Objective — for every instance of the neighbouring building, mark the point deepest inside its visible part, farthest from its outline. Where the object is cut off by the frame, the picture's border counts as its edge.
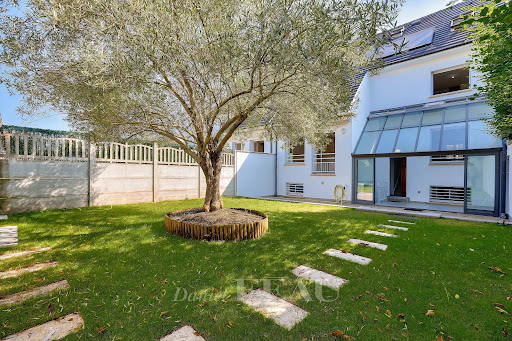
(417, 140)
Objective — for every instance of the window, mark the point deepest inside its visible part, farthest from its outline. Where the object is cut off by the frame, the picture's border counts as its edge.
(296, 154)
(418, 39)
(449, 81)
(295, 189)
(237, 146)
(447, 159)
(456, 23)
(397, 32)
(325, 161)
(258, 146)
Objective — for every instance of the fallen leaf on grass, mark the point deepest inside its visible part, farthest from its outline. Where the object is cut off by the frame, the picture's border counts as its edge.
(430, 313)
(502, 311)
(377, 307)
(495, 269)
(230, 324)
(202, 304)
(196, 334)
(388, 313)
(343, 336)
(504, 332)
(440, 338)
(381, 298)
(477, 292)
(163, 313)
(102, 329)
(499, 304)
(364, 317)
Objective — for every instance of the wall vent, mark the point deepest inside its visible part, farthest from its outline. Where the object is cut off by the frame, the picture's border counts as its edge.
(448, 194)
(294, 189)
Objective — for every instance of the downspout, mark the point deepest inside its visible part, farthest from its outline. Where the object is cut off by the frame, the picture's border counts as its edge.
(275, 172)
(503, 187)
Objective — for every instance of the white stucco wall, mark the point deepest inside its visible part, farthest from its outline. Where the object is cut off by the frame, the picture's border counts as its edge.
(255, 175)
(421, 175)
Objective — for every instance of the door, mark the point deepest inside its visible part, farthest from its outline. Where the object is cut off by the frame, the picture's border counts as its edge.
(398, 181)
(365, 175)
(481, 195)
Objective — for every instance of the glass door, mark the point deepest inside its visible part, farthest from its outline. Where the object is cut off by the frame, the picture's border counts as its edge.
(481, 184)
(365, 174)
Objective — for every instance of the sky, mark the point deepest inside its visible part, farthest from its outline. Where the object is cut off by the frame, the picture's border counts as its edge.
(412, 9)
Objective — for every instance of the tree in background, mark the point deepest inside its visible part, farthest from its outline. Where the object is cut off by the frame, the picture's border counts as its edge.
(192, 71)
(491, 30)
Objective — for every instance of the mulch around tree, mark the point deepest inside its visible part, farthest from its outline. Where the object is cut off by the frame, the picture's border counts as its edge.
(225, 216)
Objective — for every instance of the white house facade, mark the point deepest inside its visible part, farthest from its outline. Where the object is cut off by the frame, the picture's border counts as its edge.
(417, 140)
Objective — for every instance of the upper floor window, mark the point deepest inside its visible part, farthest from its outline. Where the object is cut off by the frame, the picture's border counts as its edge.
(237, 146)
(296, 154)
(452, 80)
(258, 146)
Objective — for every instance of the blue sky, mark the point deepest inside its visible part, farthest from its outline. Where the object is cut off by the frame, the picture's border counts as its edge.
(411, 10)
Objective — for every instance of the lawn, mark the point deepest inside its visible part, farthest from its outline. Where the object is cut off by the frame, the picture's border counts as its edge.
(125, 272)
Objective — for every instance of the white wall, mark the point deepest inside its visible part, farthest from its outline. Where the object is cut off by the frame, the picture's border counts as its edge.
(421, 175)
(255, 174)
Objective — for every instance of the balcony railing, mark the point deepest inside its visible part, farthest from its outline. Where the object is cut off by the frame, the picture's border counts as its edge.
(294, 158)
(324, 163)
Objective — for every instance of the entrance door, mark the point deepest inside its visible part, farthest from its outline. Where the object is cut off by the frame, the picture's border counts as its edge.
(481, 184)
(398, 181)
(365, 180)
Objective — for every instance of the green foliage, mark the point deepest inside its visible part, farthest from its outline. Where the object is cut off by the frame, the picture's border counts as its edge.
(491, 31)
(191, 71)
(124, 270)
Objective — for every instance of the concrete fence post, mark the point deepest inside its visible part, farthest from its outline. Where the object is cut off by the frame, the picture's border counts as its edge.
(155, 172)
(90, 176)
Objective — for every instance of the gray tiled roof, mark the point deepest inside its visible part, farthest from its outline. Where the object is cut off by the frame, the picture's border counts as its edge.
(444, 37)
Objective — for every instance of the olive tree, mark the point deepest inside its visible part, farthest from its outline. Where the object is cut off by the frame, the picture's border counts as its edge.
(192, 71)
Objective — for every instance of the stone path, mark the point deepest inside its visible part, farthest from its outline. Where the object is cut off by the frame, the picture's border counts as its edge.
(369, 244)
(8, 236)
(320, 277)
(3, 217)
(31, 268)
(394, 227)
(282, 312)
(348, 256)
(382, 234)
(186, 333)
(401, 222)
(34, 292)
(52, 330)
(24, 253)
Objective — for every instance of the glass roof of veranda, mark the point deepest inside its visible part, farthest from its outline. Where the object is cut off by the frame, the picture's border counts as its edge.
(422, 131)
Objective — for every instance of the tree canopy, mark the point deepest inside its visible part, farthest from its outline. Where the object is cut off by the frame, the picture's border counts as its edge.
(193, 71)
(491, 30)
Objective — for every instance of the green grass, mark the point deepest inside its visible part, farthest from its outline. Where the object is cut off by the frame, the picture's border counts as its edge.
(124, 270)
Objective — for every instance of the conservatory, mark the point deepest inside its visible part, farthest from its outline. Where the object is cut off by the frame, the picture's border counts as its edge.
(432, 156)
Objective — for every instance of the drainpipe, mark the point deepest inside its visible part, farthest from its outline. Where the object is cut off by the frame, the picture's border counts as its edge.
(275, 172)
(503, 187)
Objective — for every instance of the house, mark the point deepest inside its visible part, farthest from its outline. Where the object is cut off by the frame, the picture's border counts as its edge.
(417, 139)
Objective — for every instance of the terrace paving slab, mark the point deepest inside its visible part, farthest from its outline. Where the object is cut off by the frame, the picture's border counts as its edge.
(186, 333)
(282, 312)
(51, 330)
(369, 244)
(394, 227)
(320, 277)
(8, 236)
(24, 252)
(399, 212)
(31, 268)
(401, 222)
(382, 234)
(34, 292)
(348, 256)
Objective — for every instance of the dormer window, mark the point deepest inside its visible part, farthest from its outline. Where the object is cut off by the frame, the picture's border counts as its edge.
(458, 20)
(396, 33)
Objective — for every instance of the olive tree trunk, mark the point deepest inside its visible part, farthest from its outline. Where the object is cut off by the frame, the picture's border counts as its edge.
(211, 166)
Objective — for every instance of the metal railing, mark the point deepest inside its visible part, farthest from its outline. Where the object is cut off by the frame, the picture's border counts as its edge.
(324, 163)
(294, 158)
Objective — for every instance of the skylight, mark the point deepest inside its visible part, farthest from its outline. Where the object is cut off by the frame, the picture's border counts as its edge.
(455, 127)
(407, 42)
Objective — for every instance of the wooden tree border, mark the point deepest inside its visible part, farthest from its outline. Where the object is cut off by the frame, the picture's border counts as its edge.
(233, 232)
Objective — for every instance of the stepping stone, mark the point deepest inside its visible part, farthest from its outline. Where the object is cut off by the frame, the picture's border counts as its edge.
(186, 333)
(282, 312)
(25, 252)
(35, 292)
(52, 330)
(31, 268)
(348, 256)
(8, 236)
(394, 227)
(401, 222)
(369, 244)
(382, 234)
(3, 217)
(320, 277)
